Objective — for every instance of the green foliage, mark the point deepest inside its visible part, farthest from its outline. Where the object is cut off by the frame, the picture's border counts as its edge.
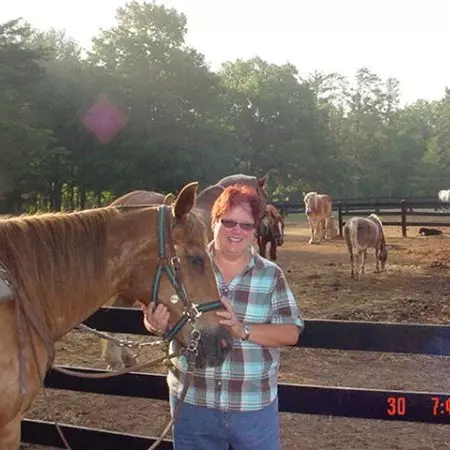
(184, 122)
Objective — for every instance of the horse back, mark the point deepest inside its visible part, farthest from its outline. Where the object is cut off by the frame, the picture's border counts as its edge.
(361, 233)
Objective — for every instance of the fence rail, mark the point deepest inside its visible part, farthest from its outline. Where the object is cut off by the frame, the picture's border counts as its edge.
(427, 407)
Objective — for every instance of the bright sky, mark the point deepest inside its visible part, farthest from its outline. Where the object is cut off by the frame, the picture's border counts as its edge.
(405, 39)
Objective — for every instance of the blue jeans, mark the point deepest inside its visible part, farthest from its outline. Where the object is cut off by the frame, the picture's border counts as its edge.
(199, 428)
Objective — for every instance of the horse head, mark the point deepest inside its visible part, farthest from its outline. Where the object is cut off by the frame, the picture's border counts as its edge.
(271, 227)
(309, 201)
(383, 254)
(183, 278)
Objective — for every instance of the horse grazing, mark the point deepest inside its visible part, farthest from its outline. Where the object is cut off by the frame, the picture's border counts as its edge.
(361, 233)
(57, 269)
(271, 229)
(318, 209)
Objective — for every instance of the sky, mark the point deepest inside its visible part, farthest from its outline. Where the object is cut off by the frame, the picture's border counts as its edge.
(405, 39)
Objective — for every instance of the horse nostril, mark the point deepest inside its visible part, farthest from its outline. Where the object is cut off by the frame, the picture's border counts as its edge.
(223, 343)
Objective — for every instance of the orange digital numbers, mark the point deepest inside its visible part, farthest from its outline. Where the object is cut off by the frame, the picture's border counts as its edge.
(436, 403)
(396, 406)
(441, 406)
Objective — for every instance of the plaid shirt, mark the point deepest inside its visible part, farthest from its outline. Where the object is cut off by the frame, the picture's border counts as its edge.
(247, 379)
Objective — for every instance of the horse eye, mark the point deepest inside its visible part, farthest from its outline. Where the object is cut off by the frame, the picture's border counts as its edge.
(196, 261)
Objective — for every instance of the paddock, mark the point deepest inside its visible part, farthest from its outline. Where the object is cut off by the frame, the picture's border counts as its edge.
(413, 289)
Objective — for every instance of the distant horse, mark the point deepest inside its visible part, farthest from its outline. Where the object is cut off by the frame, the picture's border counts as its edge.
(362, 233)
(271, 229)
(57, 269)
(318, 209)
(444, 198)
(114, 356)
(209, 195)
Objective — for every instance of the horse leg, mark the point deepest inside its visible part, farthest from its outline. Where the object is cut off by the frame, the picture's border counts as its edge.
(273, 251)
(311, 228)
(326, 231)
(363, 262)
(10, 435)
(377, 260)
(115, 357)
(323, 229)
(352, 262)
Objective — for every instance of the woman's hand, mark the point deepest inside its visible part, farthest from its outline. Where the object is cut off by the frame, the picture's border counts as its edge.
(156, 318)
(229, 319)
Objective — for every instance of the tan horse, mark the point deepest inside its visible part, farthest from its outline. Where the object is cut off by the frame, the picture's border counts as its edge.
(60, 268)
(362, 233)
(270, 230)
(114, 356)
(318, 209)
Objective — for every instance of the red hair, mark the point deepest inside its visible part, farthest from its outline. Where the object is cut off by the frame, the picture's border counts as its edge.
(238, 194)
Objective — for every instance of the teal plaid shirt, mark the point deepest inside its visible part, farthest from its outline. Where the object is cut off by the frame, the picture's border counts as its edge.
(247, 379)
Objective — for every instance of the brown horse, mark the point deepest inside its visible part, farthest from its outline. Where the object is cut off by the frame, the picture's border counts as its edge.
(208, 196)
(60, 268)
(361, 233)
(114, 356)
(271, 229)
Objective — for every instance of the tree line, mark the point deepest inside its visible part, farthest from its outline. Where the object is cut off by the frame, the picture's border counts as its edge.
(143, 110)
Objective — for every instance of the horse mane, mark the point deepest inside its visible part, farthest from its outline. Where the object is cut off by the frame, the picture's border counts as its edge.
(56, 257)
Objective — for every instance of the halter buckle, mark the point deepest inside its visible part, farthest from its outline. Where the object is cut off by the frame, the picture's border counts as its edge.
(163, 260)
(194, 312)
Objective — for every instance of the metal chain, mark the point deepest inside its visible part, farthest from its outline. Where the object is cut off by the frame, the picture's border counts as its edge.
(122, 343)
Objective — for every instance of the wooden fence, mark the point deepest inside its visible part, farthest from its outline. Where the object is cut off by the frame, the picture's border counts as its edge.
(432, 407)
(405, 209)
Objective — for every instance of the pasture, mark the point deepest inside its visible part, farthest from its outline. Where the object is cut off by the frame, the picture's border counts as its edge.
(414, 288)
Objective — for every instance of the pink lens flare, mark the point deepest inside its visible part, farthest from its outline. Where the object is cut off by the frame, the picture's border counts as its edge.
(104, 120)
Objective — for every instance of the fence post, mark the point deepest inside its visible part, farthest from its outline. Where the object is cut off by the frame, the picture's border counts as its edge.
(339, 217)
(404, 212)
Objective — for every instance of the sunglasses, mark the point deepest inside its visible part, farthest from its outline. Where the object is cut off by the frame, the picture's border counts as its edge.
(232, 223)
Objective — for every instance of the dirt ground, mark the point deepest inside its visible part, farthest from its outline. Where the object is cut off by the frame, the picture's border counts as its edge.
(414, 289)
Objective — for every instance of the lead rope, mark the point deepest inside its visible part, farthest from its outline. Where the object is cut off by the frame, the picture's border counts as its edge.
(191, 352)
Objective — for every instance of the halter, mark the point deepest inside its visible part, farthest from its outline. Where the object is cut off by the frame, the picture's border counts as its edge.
(170, 265)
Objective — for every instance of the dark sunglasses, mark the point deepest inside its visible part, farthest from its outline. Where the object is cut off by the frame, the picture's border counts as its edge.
(232, 223)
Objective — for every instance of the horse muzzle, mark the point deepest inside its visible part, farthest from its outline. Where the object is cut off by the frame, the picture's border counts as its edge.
(214, 346)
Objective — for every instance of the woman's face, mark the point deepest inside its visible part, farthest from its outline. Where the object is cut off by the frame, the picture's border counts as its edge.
(233, 232)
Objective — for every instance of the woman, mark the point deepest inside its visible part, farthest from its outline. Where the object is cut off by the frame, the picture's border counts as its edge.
(236, 403)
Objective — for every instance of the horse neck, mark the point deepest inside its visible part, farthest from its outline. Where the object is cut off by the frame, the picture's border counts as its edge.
(69, 278)
(127, 249)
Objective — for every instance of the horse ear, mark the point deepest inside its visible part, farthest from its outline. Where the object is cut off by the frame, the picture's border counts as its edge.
(185, 200)
(263, 180)
(169, 199)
